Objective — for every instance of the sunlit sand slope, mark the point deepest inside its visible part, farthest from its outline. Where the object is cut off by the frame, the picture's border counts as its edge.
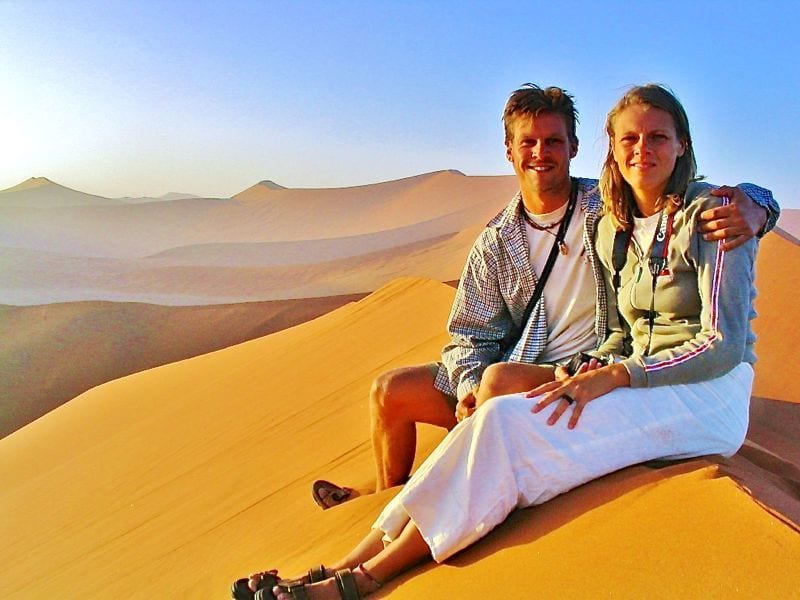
(778, 323)
(174, 481)
(58, 351)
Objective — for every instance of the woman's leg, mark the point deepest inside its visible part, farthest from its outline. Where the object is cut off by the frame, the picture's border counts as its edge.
(366, 549)
(505, 457)
(400, 555)
(403, 553)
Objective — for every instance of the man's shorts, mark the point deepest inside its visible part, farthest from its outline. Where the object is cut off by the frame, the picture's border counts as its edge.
(434, 368)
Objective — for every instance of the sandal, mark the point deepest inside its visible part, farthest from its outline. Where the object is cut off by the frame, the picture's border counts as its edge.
(327, 494)
(240, 590)
(345, 583)
(297, 589)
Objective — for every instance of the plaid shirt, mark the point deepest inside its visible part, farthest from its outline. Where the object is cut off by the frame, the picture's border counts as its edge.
(497, 282)
(495, 286)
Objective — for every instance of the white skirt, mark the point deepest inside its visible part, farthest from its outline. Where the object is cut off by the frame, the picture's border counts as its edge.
(505, 457)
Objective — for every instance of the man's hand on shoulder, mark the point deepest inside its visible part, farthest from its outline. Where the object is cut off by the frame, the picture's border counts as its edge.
(735, 223)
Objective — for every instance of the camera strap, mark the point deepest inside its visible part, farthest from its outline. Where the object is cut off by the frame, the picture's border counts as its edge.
(657, 265)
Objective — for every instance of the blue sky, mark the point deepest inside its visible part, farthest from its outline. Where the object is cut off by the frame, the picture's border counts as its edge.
(144, 98)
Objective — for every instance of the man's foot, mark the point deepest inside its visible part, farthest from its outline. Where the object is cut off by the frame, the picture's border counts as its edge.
(328, 495)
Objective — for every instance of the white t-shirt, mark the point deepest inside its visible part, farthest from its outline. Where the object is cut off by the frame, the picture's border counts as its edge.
(570, 291)
(644, 229)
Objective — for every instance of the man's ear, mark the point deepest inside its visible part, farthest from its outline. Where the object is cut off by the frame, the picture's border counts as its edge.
(509, 156)
(573, 149)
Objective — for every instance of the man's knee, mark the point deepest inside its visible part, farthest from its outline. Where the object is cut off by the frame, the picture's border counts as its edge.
(402, 394)
(511, 378)
(387, 397)
(495, 381)
(379, 391)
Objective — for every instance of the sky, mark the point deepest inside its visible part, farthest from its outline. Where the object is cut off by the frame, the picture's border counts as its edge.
(123, 98)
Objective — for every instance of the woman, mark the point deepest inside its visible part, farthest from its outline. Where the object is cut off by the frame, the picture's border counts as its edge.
(673, 379)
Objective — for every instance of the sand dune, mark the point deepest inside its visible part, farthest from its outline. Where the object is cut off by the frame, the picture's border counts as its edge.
(42, 193)
(59, 351)
(28, 277)
(176, 480)
(136, 230)
(355, 210)
(777, 266)
(789, 223)
(266, 243)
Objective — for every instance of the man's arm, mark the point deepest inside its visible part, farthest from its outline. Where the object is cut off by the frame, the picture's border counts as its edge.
(753, 211)
(479, 321)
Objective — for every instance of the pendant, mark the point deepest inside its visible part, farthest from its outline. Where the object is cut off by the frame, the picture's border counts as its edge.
(563, 248)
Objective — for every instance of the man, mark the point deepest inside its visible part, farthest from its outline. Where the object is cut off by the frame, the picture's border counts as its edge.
(494, 348)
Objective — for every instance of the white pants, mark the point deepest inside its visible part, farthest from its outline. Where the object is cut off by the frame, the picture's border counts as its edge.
(504, 457)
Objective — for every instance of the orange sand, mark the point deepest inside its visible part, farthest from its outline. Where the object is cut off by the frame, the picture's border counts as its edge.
(174, 481)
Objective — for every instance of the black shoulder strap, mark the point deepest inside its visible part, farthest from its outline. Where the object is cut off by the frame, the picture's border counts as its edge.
(619, 256)
(551, 258)
(622, 241)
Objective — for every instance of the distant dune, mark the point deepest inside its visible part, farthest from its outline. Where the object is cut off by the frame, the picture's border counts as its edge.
(789, 223)
(40, 192)
(175, 481)
(59, 351)
(211, 251)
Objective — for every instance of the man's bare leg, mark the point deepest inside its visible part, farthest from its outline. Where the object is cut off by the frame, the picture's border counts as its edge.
(399, 399)
(511, 378)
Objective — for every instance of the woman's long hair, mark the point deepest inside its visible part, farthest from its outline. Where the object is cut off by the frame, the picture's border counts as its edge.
(617, 195)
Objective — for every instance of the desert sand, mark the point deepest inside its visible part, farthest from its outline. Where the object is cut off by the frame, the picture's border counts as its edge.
(174, 480)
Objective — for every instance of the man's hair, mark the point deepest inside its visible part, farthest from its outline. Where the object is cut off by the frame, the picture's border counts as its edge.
(530, 100)
(617, 194)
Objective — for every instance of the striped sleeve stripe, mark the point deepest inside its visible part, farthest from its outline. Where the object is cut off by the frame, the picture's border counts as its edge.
(715, 288)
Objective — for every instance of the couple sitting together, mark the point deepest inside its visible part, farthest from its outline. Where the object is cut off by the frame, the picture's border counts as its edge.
(639, 348)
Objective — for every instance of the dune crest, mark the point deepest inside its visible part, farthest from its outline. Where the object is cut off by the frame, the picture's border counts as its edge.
(40, 192)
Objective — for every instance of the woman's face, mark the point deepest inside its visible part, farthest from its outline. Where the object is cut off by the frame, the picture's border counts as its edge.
(646, 147)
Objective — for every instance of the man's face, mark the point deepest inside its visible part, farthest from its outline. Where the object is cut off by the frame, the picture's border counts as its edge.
(540, 151)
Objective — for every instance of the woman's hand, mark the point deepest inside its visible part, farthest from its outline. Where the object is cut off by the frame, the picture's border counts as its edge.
(578, 390)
